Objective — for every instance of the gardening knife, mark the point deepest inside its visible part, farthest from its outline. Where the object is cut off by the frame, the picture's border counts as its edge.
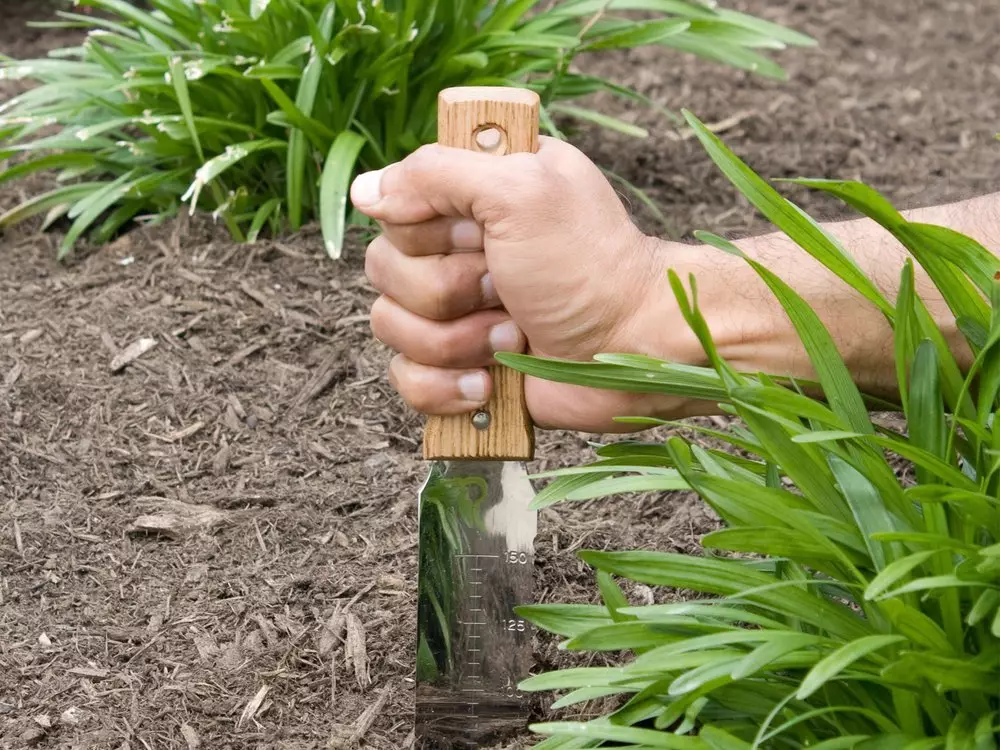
(476, 531)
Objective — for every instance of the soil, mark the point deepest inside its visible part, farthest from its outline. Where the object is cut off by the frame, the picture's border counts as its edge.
(215, 545)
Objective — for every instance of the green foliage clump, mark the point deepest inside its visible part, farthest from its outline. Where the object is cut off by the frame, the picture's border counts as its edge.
(840, 607)
(261, 111)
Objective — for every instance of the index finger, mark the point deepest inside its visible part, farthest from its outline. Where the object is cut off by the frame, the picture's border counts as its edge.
(437, 180)
(438, 236)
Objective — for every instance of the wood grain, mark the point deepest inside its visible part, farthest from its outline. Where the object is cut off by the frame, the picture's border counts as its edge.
(462, 114)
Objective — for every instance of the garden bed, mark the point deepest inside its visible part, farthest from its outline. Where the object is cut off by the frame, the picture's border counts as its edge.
(179, 538)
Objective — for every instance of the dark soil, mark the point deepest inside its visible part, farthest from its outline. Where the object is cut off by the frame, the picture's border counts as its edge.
(184, 542)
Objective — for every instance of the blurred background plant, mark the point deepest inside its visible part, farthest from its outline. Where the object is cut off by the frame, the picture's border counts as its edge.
(839, 607)
(261, 111)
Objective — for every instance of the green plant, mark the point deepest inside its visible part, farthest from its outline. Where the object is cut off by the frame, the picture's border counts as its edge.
(839, 607)
(260, 111)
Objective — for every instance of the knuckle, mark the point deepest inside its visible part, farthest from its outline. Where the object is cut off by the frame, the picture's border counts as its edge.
(523, 185)
(413, 391)
(379, 320)
(445, 350)
(441, 350)
(421, 160)
(536, 184)
(460, 290)
(410, 238)
(418, 399)
(375, 262)
(442, 291)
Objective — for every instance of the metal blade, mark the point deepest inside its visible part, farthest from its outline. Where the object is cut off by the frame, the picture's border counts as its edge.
(476, 543)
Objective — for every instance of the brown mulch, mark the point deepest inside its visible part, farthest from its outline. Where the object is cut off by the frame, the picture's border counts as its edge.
(177, 530)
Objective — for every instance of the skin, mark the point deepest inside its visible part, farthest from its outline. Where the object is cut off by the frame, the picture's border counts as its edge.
(536, 253)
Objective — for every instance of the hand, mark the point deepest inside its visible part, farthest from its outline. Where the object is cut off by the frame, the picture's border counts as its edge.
(534, 252)
(526, 252)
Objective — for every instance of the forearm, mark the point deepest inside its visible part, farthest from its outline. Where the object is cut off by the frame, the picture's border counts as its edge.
(752, 331)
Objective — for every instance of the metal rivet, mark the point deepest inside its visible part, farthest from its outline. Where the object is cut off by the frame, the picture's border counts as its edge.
(481, 420)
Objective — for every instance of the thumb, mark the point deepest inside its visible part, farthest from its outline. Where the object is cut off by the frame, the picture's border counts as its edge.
(437, 180)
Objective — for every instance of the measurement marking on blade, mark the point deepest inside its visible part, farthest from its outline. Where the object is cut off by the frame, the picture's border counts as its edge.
(474, 637)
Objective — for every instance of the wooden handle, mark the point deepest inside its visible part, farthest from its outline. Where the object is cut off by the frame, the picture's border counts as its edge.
(500, 121)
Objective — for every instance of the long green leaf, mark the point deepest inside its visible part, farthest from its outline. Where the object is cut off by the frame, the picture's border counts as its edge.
(834, 664)
(838, 384)
(896, 570)
(949, 279)
(52, 161)
(639, 34)
(871, 511)
(932, 583)
(139, 17)
(771, 651)
(178, 78)
(679, 380)
(602, 120)
(337, 173)
(297, 141)
(642, 737)
(567, 620)
(41, 203)
(788, 217)
(264, 213)
(98, 203)
(726, 578)
(580, 677)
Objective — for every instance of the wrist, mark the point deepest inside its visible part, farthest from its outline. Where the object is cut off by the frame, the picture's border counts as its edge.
(728, 297)
(733, 300)
(748, 326)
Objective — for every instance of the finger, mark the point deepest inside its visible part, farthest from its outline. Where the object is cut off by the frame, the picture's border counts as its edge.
(442, 234)
(433, 390)
(440, 181)
(467, 342)
(438, 287)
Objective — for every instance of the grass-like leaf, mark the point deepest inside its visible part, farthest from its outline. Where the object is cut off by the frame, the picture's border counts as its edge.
(312, 74)
(841, 659)
(838, 386)
(337, 173)
(788, 217)
(641, 737)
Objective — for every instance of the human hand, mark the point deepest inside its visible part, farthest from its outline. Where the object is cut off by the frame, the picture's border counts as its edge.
(535, 252)
(526, 252)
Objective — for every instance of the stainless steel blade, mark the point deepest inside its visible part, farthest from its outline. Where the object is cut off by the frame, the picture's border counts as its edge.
(476, 564)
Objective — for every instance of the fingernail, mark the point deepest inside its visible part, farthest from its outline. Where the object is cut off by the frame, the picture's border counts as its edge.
(466, 235)
(505, 337)
(490, 296)
(367, 188)
(472, 386)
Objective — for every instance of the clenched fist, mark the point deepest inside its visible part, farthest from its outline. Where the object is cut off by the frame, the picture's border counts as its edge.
(526, 252)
